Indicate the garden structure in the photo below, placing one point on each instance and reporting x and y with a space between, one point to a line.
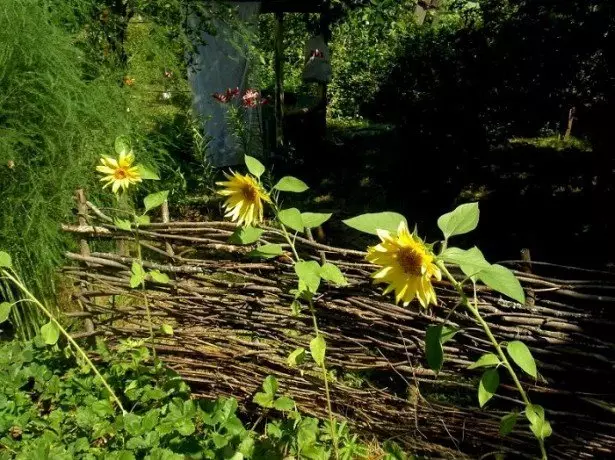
233 325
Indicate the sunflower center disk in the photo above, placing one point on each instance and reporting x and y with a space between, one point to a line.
410 261
250 193
120 173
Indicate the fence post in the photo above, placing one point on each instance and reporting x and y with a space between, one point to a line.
166 219
84 248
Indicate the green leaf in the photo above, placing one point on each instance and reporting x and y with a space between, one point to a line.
50 333
291 218
309 273
488 385
263 399
267 251
522 356
538 424
254 166
159 277
462 220
369 223
501 279
270 385
542 429
147 173
314 219
167 329
122 224
507 423
318 348
470 261
5 311
155 199
296 358
138 274
142 220
284 403
185 427
433 348
5 260
447 333
122 144
274 431
333 274
534 413
487 360
290 184
245 235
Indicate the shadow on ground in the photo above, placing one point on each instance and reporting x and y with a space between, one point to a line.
540 194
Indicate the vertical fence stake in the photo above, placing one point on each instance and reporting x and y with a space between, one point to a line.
84 248
166 219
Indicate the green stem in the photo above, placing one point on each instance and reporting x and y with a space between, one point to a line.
317 332
476 313
80 350
325 377
145 299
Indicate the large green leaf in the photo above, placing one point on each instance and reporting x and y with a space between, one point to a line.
138 275
155 199
318 348
309 273
314 219
507 423
333 274
522 356
147 173
296 358
471 261
488 385
270 385
5 260
267 251
159 277
487 360
433 348
462 220
5 311
371 222
284 403
291 184
245 235
254 166
50 333
291 218
502 280
538 424
122 145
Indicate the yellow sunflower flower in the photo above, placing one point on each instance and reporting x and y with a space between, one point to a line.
119 173
245 197
407 266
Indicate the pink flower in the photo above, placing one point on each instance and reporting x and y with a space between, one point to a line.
253 98
227 96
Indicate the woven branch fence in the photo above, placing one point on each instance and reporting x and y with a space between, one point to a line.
233 326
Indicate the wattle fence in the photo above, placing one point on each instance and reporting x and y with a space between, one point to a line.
233 325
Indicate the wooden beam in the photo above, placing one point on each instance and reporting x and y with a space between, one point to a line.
279 79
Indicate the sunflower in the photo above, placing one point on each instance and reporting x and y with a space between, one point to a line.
245 197
407 266
119 173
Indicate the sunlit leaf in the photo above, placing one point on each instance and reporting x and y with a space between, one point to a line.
501 279
291 184
371 222
488 385
245 235
291 218
5 311
462 219
50 333
309 273
333 274
254 166
522 356
155 199
318 348
487 360
314 219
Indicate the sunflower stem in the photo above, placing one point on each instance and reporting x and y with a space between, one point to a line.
480 320
323 367
145 299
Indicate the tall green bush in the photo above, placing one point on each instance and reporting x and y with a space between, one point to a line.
55 122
